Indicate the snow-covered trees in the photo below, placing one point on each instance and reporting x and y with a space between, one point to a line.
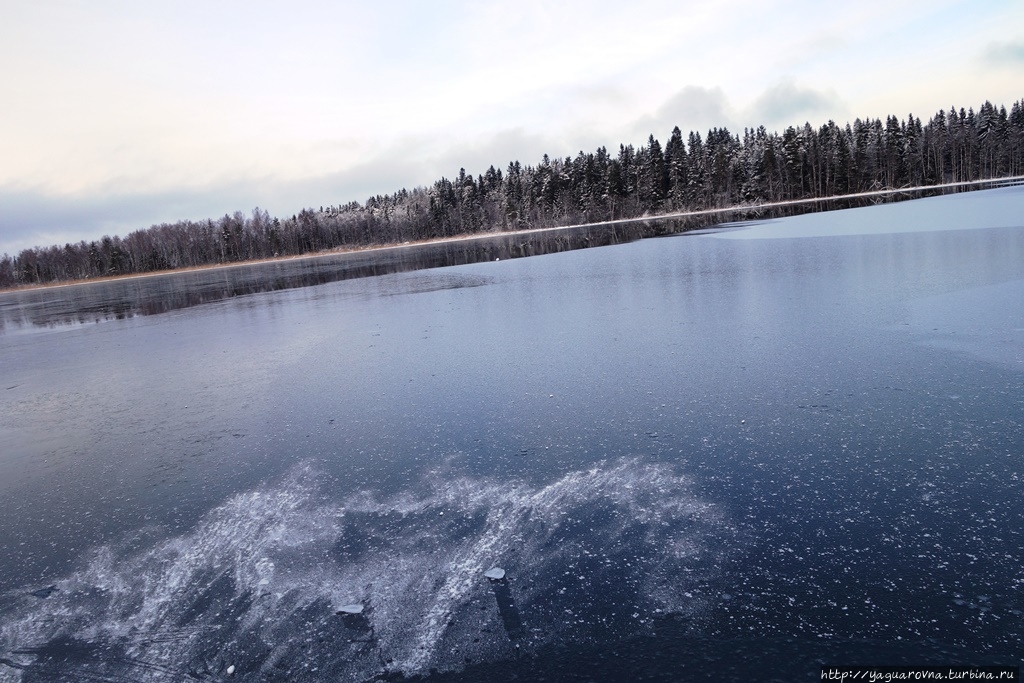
691 172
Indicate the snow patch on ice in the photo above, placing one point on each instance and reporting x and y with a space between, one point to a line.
1003 207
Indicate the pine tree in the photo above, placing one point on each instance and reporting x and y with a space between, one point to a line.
676 169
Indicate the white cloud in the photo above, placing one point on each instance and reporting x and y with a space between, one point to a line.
1005 54
787 104
693 108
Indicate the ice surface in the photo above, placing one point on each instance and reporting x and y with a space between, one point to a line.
811 342
998 208
985 322
620 538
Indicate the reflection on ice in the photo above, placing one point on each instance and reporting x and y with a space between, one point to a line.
510 617
278 581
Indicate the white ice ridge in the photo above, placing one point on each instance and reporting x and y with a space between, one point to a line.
272 563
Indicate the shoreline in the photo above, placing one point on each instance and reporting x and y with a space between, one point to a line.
740 208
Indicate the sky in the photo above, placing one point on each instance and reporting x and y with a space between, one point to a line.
116 114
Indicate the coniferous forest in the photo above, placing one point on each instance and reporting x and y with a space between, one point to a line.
688 172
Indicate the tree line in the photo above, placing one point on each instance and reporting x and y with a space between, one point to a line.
689 173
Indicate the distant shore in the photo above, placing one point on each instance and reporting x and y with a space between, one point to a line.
736 209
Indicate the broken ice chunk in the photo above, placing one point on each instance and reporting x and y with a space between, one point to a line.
495 573
354 608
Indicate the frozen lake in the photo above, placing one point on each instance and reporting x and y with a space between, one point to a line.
744 452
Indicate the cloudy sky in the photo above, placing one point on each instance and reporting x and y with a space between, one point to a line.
118 114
